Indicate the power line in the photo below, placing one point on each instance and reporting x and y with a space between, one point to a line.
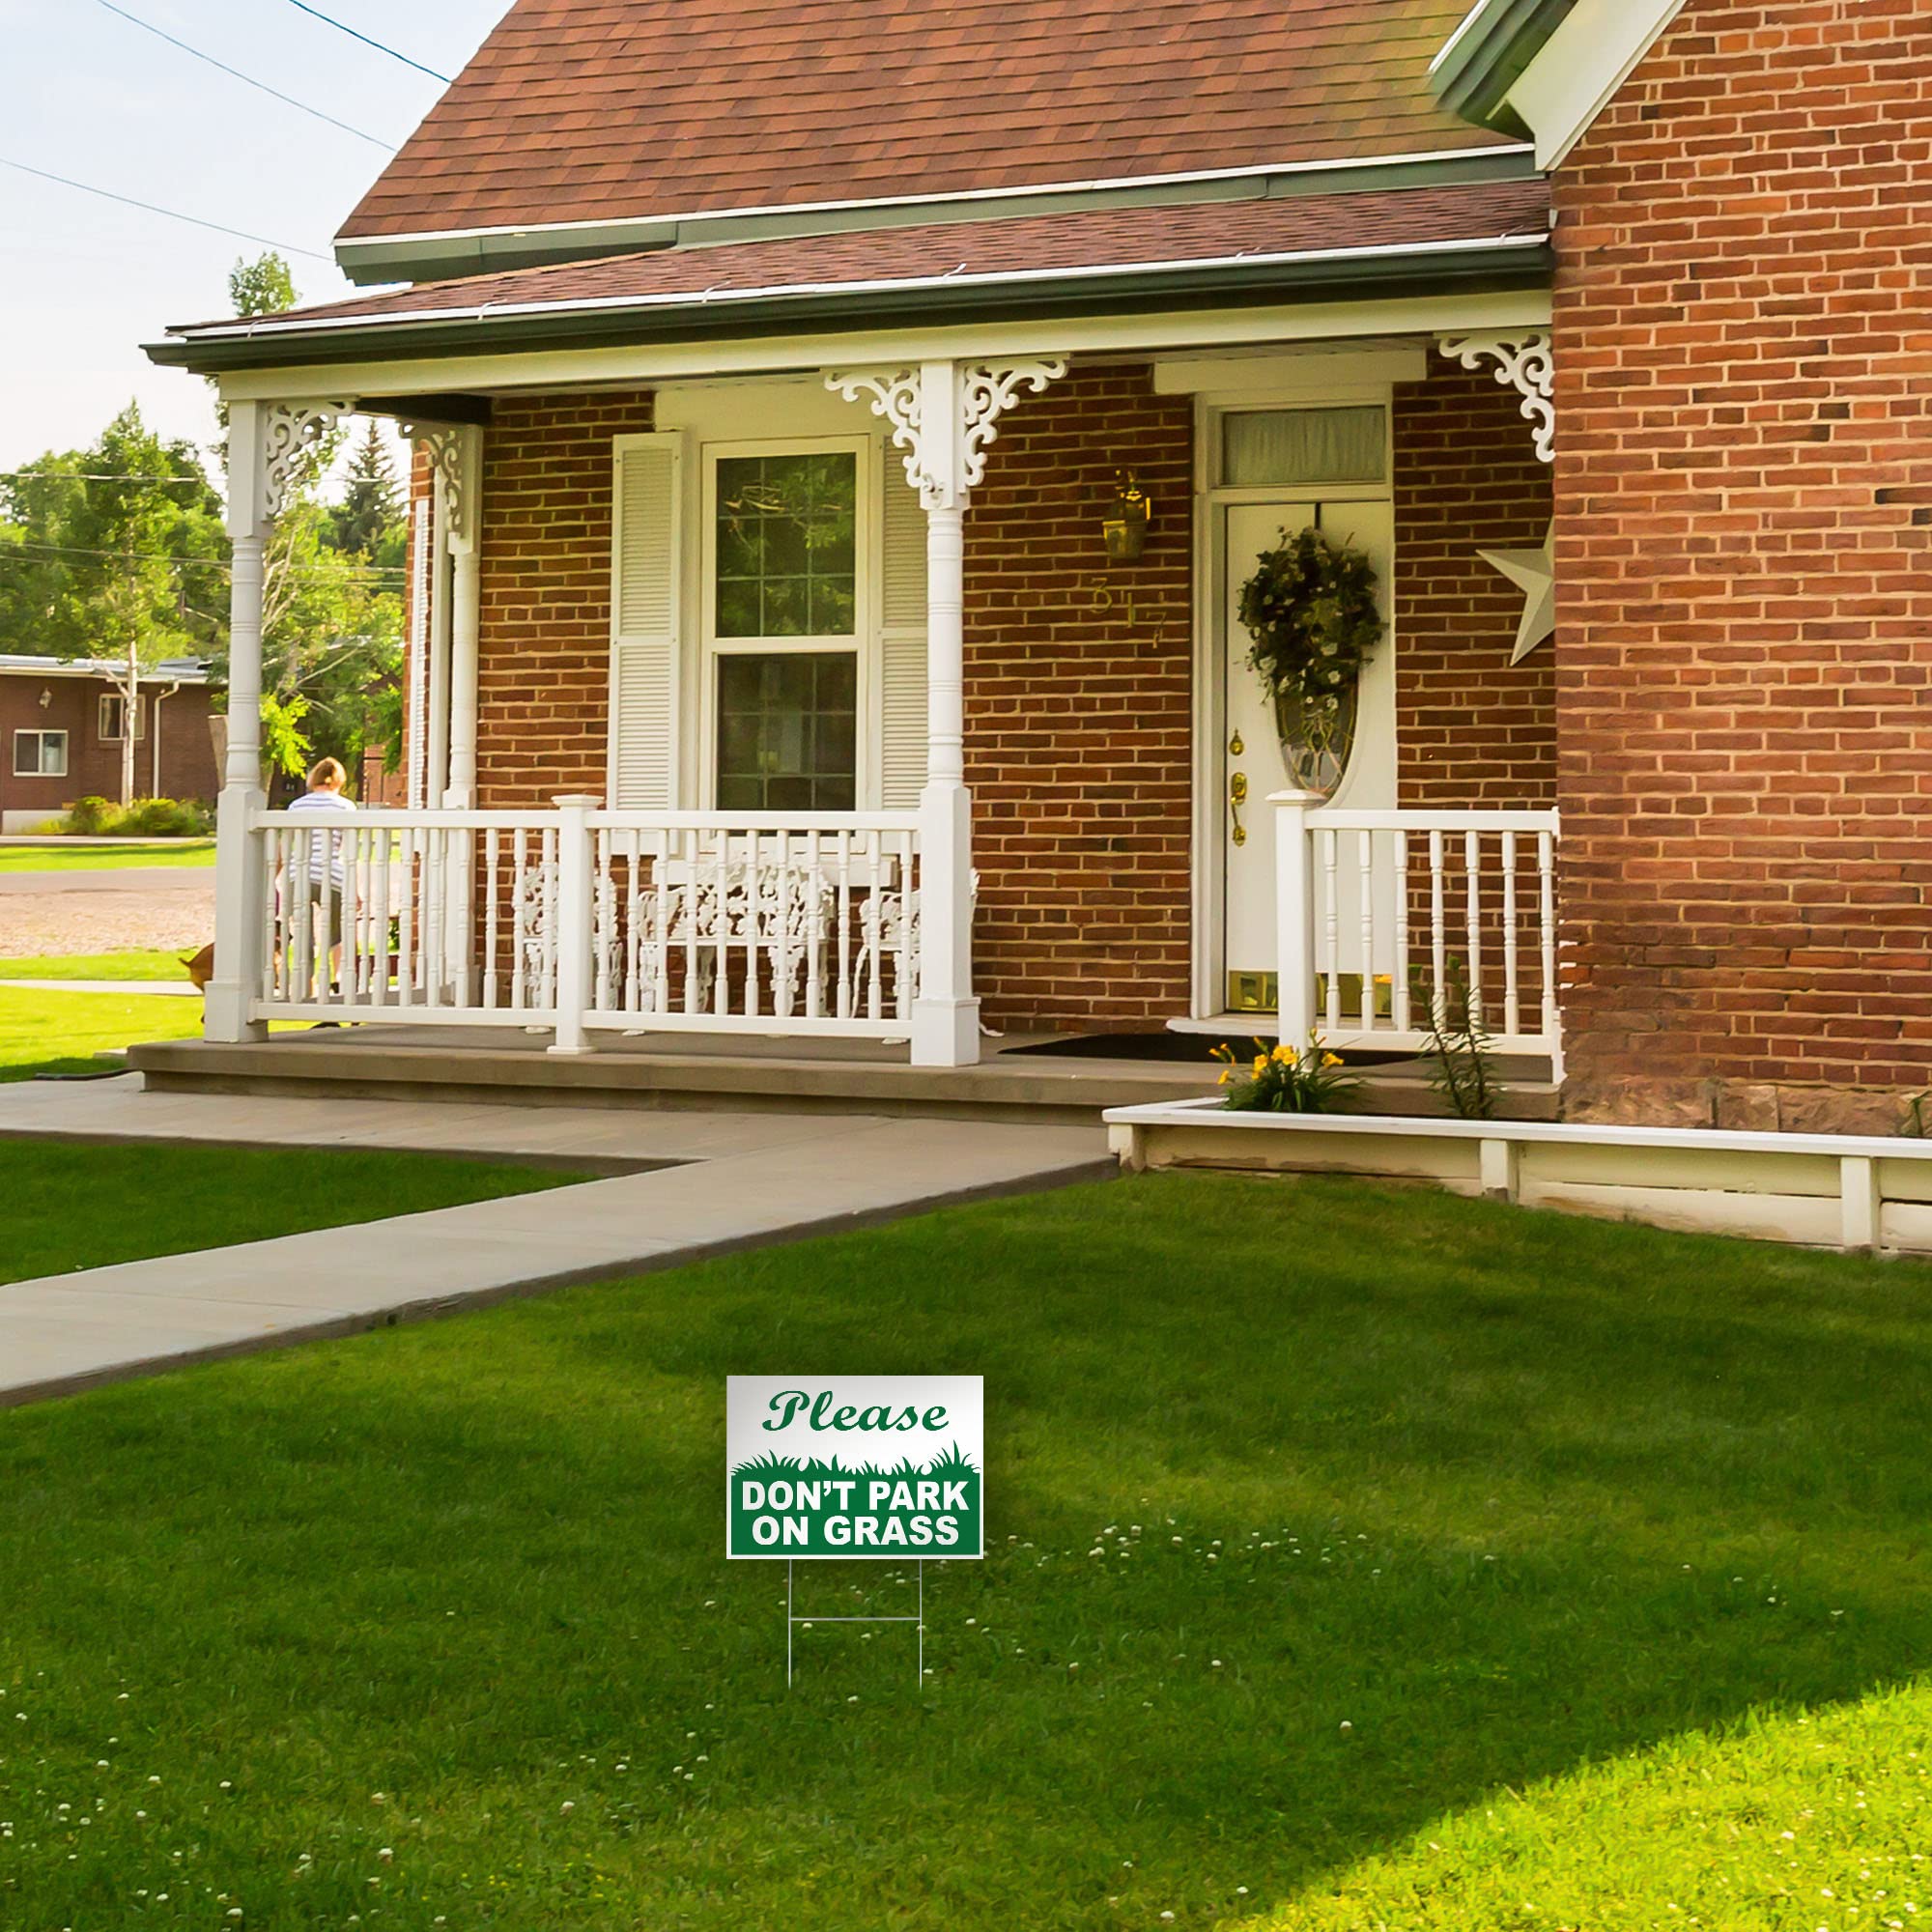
316 13
193 221
287 100
17 550
104 476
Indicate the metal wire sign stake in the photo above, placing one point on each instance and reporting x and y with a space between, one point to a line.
879 1469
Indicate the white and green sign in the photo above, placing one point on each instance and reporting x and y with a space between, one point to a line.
854 1465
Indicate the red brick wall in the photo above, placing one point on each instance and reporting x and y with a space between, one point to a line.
1471 728
544 683
1078 719
1745 491
93 764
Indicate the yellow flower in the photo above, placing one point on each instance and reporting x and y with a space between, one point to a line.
1261 1063
1226 1077
1285 1054
1331 1059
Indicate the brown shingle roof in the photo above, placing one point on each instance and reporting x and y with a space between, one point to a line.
588 111
1041 244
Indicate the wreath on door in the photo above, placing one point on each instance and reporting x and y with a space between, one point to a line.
1311 610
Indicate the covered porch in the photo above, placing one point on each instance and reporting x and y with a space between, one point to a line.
1005 779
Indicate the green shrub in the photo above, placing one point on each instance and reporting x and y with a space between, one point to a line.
88 814
146 819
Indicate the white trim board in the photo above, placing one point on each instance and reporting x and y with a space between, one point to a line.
1579 69
1858 1192
809 352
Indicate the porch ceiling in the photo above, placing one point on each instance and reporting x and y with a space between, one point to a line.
1493 232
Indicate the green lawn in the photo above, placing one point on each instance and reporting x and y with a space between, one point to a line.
65 1032
134 965
73 1206
59 855
1359 1558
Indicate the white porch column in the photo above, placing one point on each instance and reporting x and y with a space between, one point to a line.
266 447
455 455
456 459
942 414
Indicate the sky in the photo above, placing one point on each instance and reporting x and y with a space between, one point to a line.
85 94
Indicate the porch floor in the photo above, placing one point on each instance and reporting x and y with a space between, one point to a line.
743 1074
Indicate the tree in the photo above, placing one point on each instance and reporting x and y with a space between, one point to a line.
332 576
115 553
368 521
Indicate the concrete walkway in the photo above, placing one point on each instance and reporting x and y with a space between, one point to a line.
743 1180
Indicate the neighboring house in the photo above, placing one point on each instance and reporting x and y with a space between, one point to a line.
773 392
62 722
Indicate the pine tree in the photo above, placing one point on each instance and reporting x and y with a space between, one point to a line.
369 516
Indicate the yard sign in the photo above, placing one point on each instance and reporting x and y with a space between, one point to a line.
883 1466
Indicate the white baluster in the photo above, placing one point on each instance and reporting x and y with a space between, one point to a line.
875 905
634 903
520 919
1472 887
1438 961
1331 932
436 946
1546 881
906 955
1512 991
844 858
661 903
381 859
1365 854
273 891
492 865
548 913
304 904
405 919
1399 973
814 930
603 916
721 986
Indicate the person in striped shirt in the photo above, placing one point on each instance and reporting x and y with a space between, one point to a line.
322 797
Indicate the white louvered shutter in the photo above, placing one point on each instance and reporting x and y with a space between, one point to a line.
902 642
644 642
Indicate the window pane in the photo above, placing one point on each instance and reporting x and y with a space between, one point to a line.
788 732
1265 446
784 546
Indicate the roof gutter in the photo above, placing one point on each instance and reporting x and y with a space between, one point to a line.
1494 262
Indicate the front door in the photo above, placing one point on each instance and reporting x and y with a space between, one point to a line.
1252 764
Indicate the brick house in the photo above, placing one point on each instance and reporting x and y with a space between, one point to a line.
61 725
841 452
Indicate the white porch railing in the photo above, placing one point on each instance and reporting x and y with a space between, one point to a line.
580 919
1385 918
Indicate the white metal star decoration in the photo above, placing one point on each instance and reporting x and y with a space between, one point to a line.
1533 572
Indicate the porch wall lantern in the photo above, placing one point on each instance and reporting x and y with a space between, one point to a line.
46 697
1124 527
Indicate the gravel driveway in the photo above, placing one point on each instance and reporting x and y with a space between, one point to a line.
48 914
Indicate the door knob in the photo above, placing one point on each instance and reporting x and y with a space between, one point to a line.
1238 796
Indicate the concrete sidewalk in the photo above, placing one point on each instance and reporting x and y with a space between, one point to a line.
745 1180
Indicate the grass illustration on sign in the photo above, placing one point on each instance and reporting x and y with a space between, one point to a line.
803 1484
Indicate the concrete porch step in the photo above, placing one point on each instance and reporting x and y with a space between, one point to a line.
743 1075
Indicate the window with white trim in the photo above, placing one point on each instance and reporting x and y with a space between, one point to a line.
113 716
784 616
39 754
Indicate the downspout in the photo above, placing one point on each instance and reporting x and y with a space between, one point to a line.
154 726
